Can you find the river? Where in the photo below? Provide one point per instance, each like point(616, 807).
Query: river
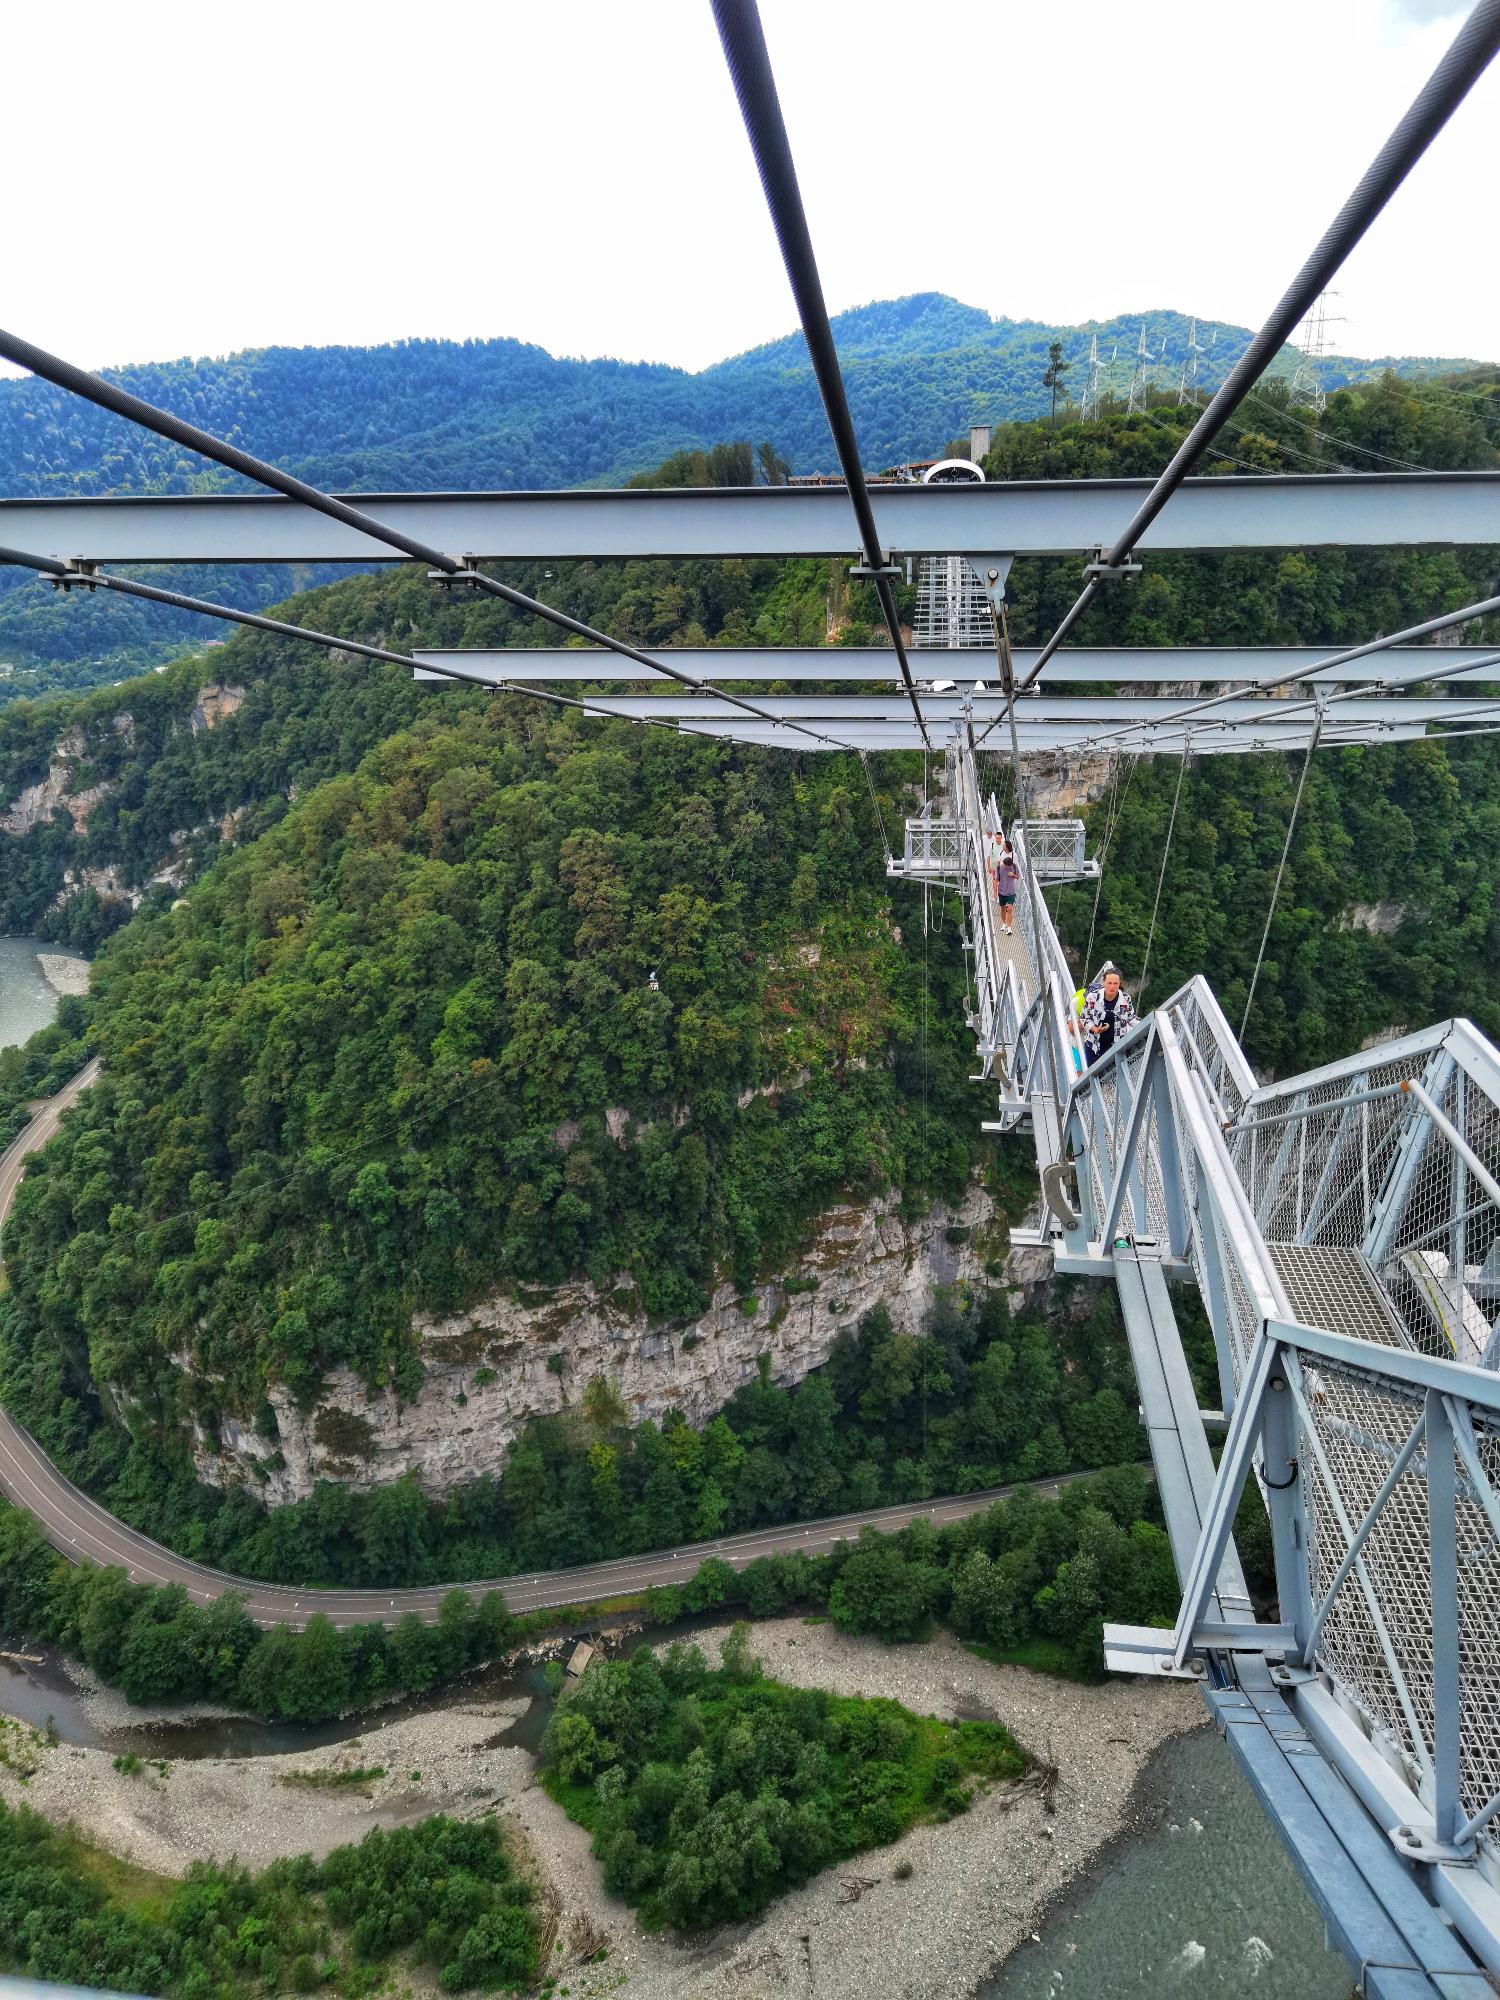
point(27, 1000)
point(1197, 1897)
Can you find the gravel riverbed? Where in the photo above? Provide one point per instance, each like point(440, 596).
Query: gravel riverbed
point(977, 1888)
point(64, 975)
point(978, 1885)
point(165, 1814)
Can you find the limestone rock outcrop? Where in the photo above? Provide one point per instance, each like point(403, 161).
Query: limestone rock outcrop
point(492, 1369)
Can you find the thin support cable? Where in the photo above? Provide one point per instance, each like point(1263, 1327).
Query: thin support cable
point(1166, 854)
point(1286, 848)
point(1460, 68)
point(749, 61)
point(864, 765)
point(1105, 855)
point(1117, 805)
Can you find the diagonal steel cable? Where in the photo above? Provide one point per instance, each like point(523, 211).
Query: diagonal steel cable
point(745, 51)
point(1466, 59)
point(110, 396)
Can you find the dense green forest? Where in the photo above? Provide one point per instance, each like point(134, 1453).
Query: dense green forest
point(335, 1071)
point(430, 415)
point(442, 1896)
point(709, 1791)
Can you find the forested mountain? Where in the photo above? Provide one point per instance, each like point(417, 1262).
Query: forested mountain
point(446, 415)
point(362, 1063)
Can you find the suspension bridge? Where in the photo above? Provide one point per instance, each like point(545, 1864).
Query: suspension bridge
point(1341, 1228)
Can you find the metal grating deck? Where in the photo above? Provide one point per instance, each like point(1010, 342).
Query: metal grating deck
point(1331, 1286)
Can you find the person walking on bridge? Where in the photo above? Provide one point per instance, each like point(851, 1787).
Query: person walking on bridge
point(1108, 1014)
point(1007, 880)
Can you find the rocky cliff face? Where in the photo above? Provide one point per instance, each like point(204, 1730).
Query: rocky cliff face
point(35, 804)
point(492, 1369)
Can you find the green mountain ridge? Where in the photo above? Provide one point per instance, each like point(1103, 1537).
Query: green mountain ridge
point(431, 415)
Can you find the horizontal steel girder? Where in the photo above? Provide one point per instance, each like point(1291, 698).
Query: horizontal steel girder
point(1088, 711)
point(1266, 666)
point(1038, 517)
point(1163, 741)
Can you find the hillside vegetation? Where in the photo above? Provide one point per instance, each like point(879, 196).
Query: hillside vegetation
point(400, 1044)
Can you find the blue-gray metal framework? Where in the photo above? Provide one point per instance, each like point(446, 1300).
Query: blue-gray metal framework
point(1343, 1231)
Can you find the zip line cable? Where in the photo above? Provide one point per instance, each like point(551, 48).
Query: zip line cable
point(744, 44)
point(1460, 68)
point(109, 396)
point(1286, 848)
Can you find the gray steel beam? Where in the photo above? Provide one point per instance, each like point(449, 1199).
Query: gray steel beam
point(1086, 711)
point(1374, 1909)
point(877, 735)
point(1264, 666)
point(1180, 1454)
point(1035, 517)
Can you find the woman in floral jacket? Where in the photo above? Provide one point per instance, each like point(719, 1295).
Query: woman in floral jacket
point(1108, 1015)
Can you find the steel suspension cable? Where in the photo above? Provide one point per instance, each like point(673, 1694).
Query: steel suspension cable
point(109, 396)
point(1166, 854)
point(864, 765)
point(330, 642)
point(744, 44)
point(1109, 834)
point(1286, 848)
point(1486, 608)
point(1460, 68)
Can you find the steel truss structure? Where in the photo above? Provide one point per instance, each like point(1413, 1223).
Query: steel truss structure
point(1342, 1229)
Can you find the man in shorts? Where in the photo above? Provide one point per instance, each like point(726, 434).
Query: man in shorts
point(1007, 879)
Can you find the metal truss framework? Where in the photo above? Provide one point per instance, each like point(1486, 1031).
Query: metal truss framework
point(1343, 1231)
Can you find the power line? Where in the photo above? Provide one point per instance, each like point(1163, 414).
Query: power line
point(744, 45)
point(109, 396)
point(1466, 59)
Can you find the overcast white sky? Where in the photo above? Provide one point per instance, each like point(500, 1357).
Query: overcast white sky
point(191, 179)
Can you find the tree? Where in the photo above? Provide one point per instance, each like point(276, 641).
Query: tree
point(1053, 377)
point(317, 1678)
point(879, 1591)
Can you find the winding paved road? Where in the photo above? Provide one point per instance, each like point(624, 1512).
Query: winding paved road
point(81, 1528)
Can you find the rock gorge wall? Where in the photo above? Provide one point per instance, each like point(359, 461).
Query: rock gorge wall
point(507, 1360)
